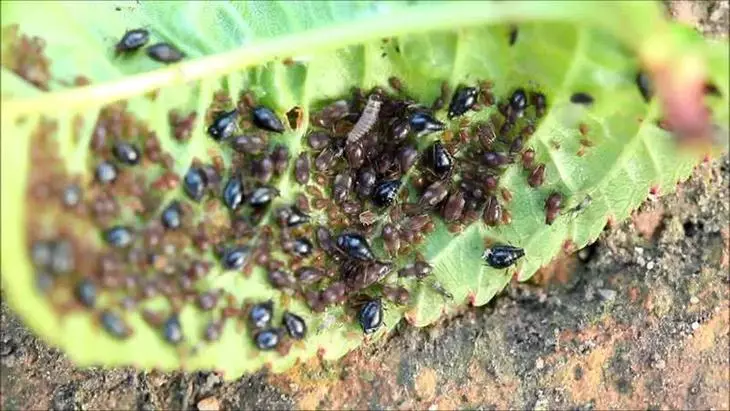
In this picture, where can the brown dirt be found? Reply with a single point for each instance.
(643, 324)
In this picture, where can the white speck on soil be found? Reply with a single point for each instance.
(659, 364)
(539, 364)
(606, 294)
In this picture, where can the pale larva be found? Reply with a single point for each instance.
(367, 119)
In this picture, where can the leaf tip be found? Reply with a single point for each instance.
(569, 246)
(410, 316)
(610, 221)
(471, 298)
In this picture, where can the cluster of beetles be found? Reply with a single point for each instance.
(377, 172)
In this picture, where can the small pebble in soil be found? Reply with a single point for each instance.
(208, 404)
(607, 294)
(539, 364)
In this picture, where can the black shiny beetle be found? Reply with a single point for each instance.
(260, 314)
(267, 339)
(355, 246)
(370, 316)
(386, 192)
(295, 325)
(131, 41)
(502, 256)
(165, 53)
(463, 100)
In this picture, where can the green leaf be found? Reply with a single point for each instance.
(591, 47)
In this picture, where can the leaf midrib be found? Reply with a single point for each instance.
(411, 21)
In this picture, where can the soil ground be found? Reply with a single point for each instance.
(640, 320)
(641, 323)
